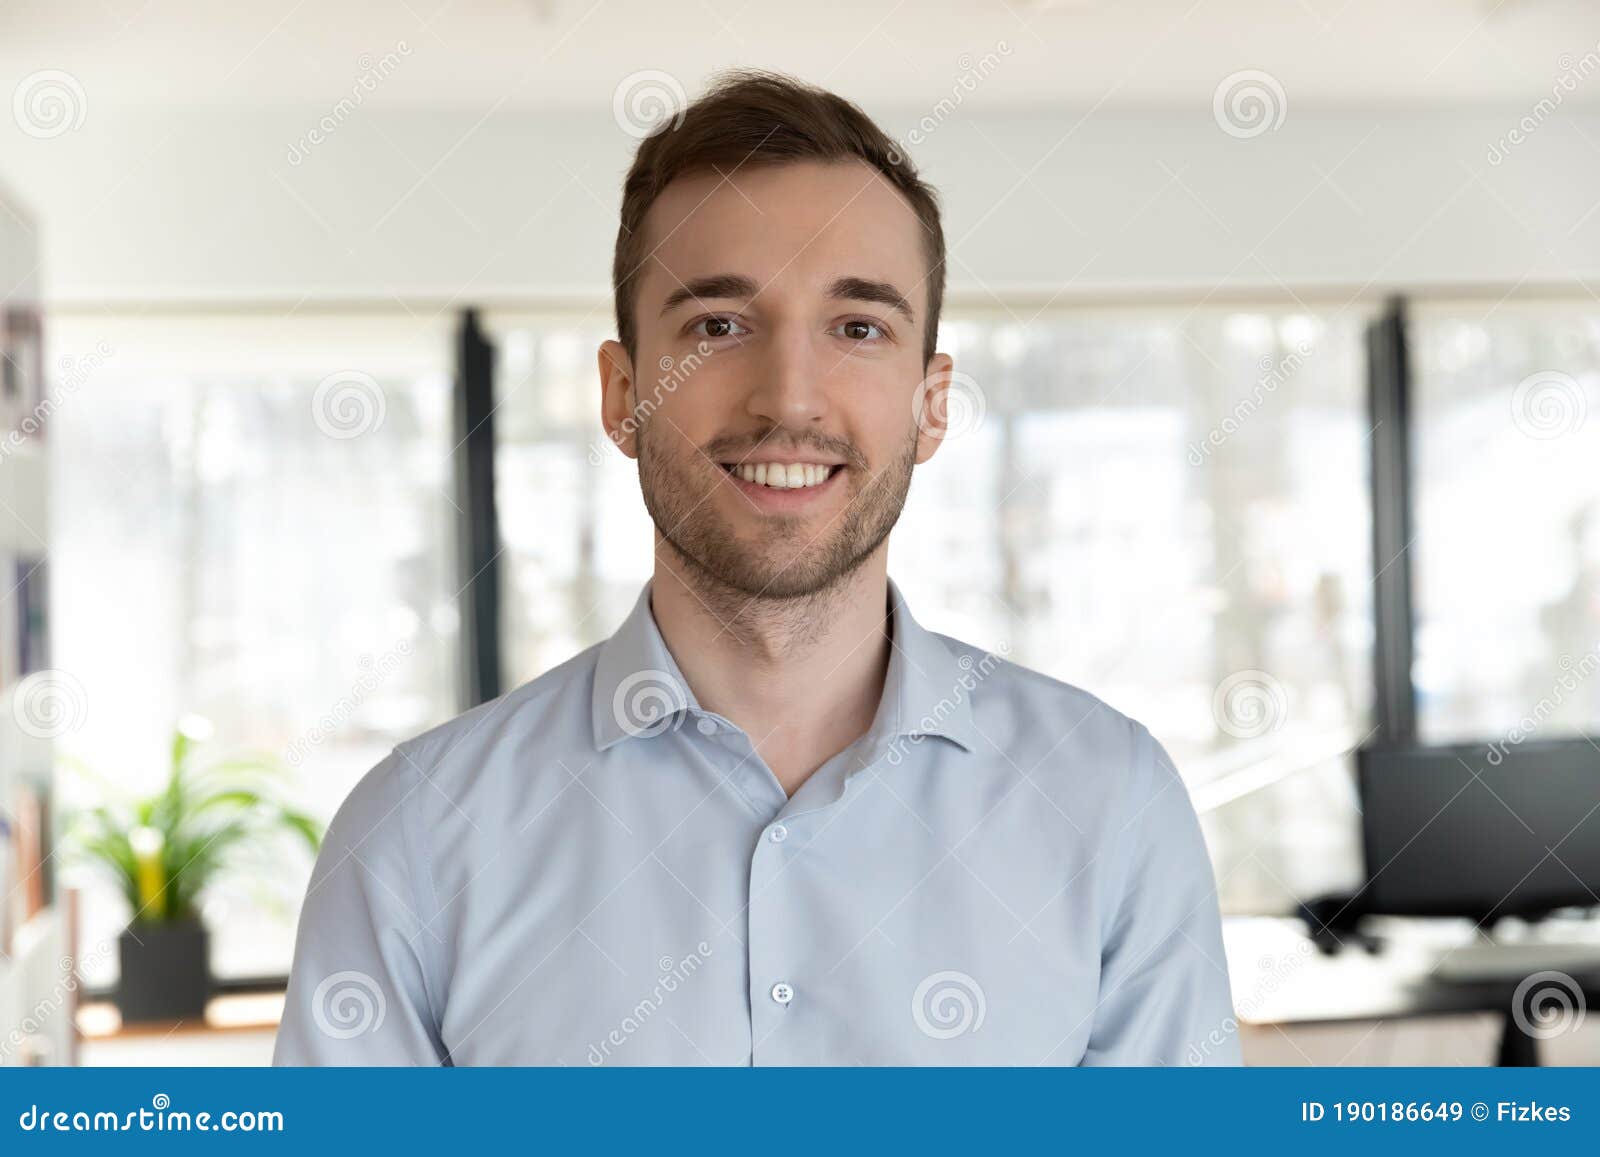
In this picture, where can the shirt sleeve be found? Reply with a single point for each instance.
(1164, 992)
(358, 989)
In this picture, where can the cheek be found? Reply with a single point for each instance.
(880, 419)
(681, 386)
(697, 404)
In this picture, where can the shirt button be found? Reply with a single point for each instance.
(782, 993)
(778, 834)
(706, 726)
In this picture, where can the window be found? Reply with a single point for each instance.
(252, 522)
(1507, 555)
(1167, 508)
(577, 541)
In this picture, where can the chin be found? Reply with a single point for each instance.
(770, 581)
(783, 574)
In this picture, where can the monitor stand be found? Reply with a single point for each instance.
(1547, 980)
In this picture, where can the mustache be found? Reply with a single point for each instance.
(736, 447)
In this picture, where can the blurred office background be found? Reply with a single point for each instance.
(1242, 292)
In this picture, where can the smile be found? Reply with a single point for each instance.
(783, 476)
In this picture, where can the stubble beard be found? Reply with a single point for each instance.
(789, 560)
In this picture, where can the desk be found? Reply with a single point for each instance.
(1281, 980)
(236, 1030)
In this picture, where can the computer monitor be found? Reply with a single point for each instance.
(1483, 831)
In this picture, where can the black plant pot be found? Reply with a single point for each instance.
(166, 973)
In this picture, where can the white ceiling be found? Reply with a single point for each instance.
(498, 53)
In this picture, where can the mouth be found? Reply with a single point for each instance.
(784, 485)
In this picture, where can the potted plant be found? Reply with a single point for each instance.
(164, 850)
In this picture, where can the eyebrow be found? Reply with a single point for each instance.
(718, 285)
(866, 289)
(725, 286)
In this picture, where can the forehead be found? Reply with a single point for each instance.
(799, 224)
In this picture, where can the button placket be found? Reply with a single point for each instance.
(772, 945)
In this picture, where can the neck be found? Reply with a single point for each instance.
(801, 676)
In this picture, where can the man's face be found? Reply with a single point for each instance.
(775, 401)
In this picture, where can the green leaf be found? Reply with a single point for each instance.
(266, 764)
(208, 817)
(309, 829)
(180, 751)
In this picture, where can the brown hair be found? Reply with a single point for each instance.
(749, 117)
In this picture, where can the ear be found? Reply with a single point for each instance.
(931, 406)
(618, 405)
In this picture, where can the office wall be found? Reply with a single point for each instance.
(202, 204)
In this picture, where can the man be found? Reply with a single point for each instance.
(772, 820)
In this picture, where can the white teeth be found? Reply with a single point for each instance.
(779, 476)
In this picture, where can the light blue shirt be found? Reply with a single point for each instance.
(593, 869)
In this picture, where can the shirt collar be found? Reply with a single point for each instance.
(639, 691)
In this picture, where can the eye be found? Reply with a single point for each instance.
(720, 326)
(858, 329)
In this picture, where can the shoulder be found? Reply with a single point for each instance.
(1045, 719)
(1090, 758)
(471, 756)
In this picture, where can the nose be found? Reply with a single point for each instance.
(787, 387)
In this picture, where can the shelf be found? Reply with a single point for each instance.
(246, 1012)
